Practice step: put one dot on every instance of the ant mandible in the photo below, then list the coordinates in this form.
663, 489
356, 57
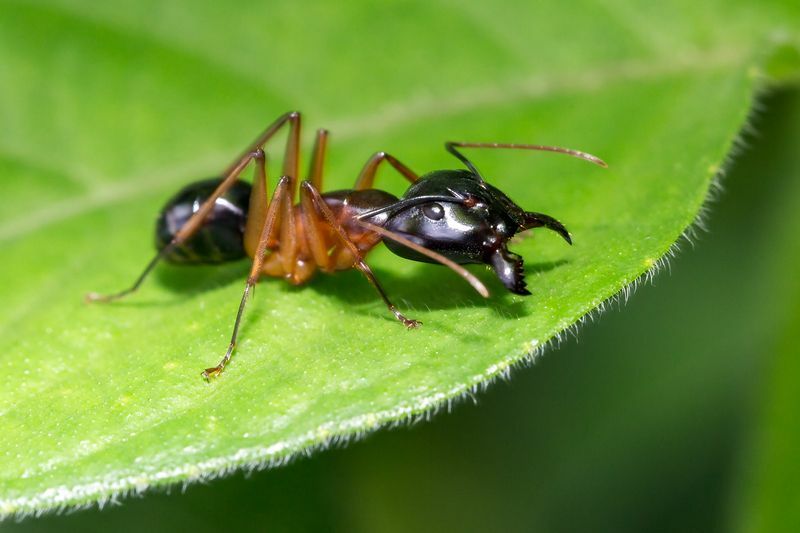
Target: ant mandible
451, 217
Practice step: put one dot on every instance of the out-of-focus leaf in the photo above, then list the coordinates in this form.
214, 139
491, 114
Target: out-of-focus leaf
769, 493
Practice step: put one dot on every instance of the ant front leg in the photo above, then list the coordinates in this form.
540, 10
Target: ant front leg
366, 177
272, 222
311, 198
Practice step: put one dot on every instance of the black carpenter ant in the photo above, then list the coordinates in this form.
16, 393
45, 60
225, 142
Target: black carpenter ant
451, 217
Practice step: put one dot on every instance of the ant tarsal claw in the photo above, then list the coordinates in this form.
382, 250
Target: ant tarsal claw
410, 323
209, 373
92, 297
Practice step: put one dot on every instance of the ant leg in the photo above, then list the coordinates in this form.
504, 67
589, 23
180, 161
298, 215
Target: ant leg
367, 175
271, 219
288, 231
315, 241
259, 202
190, 228
230, 175
311, 228
449, 263
291, 158
318, 158
292, 144
314, 199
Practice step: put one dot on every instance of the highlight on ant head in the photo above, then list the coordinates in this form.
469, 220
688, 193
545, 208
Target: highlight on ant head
456, 214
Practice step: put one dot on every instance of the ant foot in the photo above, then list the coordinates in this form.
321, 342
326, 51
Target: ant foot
92, 297
410, 323
209, 373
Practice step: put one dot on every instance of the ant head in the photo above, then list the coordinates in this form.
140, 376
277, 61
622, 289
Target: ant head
457, 214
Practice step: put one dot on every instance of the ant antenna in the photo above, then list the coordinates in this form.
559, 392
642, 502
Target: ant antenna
410, 202
451, 147
452, 265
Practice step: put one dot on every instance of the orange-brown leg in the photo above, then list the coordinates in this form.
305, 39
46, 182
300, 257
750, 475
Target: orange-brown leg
315, 200
259, 202
318, 159
367, 176
292, 154
291, 161
449, 263
272, 221
315, 240
312, 222
230, 175
288, 233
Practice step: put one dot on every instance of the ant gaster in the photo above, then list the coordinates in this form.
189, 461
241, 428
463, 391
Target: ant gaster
451, 217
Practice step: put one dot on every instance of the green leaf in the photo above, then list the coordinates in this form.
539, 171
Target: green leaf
108, 109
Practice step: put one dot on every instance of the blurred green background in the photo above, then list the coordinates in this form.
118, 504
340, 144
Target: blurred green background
661, 417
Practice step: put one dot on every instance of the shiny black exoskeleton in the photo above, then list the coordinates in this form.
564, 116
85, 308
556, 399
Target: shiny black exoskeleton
220, 238
466, 220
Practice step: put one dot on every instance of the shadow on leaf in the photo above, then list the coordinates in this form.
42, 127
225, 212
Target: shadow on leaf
420, 287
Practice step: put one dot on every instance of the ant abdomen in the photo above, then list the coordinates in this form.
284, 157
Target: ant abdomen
220, 238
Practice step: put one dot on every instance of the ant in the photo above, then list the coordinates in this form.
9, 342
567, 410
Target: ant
451, 217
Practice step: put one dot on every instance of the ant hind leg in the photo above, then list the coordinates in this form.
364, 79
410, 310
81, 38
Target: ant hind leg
230, 175
191, 226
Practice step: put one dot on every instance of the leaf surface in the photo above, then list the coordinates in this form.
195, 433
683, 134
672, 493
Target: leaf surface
109, 109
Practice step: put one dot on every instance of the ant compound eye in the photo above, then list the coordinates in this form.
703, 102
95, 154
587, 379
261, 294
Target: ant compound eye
433, 211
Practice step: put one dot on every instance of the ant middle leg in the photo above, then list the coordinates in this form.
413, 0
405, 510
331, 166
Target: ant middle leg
311, 198
366, 177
